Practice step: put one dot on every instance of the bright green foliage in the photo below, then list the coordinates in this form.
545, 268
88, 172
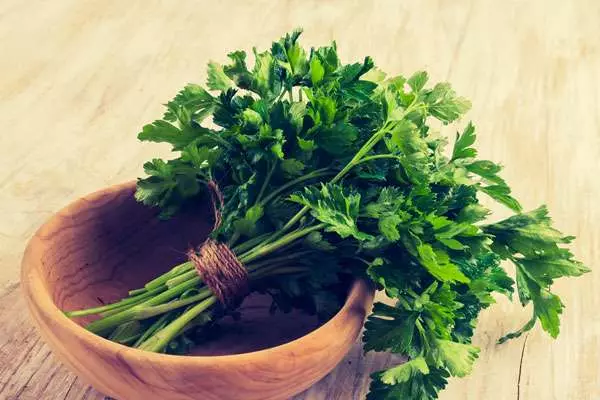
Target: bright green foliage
302, 141
332, 206
534, 246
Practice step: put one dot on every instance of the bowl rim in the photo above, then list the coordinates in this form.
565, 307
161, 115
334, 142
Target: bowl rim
359, 298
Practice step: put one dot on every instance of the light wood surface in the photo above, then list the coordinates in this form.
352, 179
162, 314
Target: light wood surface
79, 78
99, 247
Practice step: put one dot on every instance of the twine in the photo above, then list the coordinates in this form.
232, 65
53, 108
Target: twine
216, 264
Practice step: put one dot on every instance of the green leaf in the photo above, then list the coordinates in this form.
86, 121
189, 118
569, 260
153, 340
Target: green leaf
322, 110
374, 75
247, 225
292, 167
317, 72
418, 80
388, 210
513, 335
290, 55
419, 386
388, 275
501, 194
390, 201
296, 116
265, 80
444, 104
404, 372
405, 138
438, 264
328, 57
451, 243
334, 207
439, 309
251, 119
545, 269
192, 103
306, 145
388, 226
168, 185
463, 142
472, 213
164, 132
444, 228
530, 241
352, 72
487, 170
530, 234
493, 279
337, 139
297, 59
547, 307
390, 329
457, 357
523, 288
217, 79
237, 70
200, 157
315, 240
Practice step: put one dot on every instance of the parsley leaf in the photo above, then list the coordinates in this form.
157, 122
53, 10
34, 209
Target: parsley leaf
534, 246
332, 206
437, 262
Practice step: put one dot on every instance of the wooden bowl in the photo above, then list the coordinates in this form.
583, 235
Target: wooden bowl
100, 246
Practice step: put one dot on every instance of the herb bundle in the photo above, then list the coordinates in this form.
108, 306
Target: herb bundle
320, 171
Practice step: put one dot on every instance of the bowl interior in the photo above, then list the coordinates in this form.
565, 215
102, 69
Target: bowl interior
108, 243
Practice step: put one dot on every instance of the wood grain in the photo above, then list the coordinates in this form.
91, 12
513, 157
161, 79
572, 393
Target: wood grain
79, 78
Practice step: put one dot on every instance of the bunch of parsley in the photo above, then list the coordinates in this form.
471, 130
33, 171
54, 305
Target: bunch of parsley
329, 170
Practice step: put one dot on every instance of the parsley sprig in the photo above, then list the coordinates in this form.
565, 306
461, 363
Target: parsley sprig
328, 170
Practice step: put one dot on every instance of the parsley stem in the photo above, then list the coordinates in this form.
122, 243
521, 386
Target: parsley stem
421, 330
266, 182
268, 248
129, 301
276, 260
173, 292
124, 307
161, 280
136, 292
291, 222
160, 339
109, 322
377, 157
152, 311
250, 243
314, 174
373, 140
181, 278
158, 324
233, 239
278, 99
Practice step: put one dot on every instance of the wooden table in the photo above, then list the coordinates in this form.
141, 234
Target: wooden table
79, 78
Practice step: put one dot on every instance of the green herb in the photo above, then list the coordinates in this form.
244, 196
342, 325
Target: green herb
328, 170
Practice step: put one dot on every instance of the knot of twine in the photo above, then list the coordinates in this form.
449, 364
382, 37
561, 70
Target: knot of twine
216, 264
